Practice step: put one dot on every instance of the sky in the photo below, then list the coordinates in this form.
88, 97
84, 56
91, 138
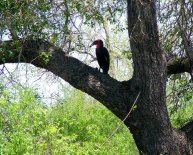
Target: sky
49, 87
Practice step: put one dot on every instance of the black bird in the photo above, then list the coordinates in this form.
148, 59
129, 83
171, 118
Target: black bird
102, 55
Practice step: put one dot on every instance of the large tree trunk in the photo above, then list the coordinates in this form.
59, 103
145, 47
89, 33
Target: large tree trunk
150, 123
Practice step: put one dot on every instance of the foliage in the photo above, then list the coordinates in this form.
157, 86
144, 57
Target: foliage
56, 21
24, 18
182, 115
175, 23
180, 100
175, 18
45, 56
69, 24
77, 125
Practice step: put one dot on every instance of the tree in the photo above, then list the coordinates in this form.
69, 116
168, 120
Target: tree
149, 121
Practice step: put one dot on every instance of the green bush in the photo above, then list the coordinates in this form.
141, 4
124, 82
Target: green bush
78, 125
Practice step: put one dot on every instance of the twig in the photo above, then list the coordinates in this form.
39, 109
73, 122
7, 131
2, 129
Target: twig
122, 120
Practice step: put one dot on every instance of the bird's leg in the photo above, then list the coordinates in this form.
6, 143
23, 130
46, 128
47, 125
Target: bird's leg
98, 69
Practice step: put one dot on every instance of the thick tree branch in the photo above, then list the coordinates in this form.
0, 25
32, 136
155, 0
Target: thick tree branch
81, 76
112, 93
177, 66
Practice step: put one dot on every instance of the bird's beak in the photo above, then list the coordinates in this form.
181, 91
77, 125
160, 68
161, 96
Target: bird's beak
94, 43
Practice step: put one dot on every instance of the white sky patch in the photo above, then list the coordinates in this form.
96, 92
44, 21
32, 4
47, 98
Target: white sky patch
49, 87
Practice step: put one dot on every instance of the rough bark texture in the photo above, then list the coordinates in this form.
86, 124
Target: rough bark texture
149, 122
176, 65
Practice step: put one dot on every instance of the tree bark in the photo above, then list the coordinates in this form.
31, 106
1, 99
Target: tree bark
177, 66
149, 121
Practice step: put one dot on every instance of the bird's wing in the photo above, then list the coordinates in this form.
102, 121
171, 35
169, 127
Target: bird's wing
106, 54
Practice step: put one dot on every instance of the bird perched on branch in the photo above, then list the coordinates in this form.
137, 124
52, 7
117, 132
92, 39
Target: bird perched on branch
102, 55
